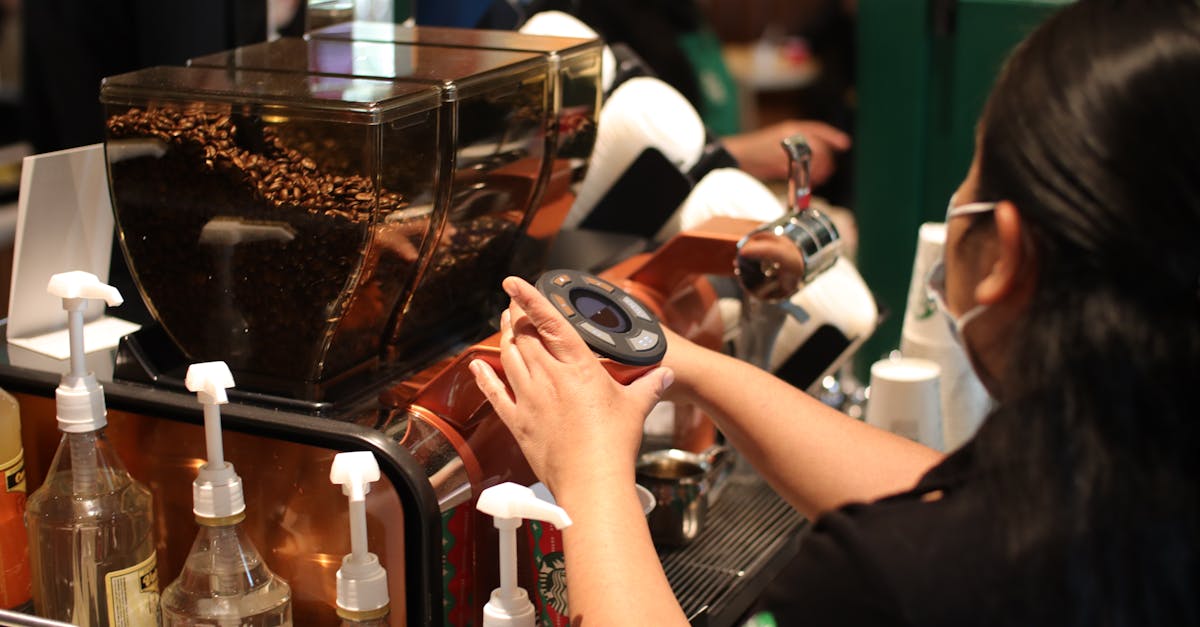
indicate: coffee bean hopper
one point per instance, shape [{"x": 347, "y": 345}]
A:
[
  {"x": 336, "y": 231},
  {"x": 372, "y": 194}
]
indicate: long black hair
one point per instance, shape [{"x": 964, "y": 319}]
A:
[{"x": 1093, "y": 132}]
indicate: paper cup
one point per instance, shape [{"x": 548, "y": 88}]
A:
[
  {"x": 964, "y": 400},
  {"x": 922, "y": 321},
  {"x": 905, "y": 400},
  {"x": 925, "y": 335}
]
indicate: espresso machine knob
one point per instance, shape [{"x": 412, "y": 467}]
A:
[{"x": 612, "y": 322}]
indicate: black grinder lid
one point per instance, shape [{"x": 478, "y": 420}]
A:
[{"x": 612, "y": 322}]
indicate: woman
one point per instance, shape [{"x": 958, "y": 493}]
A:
[{"x": 1073, "y": 279}]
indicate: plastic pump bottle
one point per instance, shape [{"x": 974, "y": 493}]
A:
[
  {"x": 362, "y": 592},
  {"x": 224, "y": 581},
  {"x": 91, "y": 532},
  {"x": 509, "y": 504}
]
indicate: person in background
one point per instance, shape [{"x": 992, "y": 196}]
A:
[
  {"x": 677, "y": 44},
  {"x": 758, "y": 154},
  {"x": 1071, "y": 276}
]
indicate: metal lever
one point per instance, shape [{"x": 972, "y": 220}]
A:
[{"x": 799, "y": 180}]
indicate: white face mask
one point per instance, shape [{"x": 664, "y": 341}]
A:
[{"x": 936, "y": 281}]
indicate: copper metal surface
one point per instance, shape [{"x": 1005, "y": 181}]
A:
[{"x": 298, "y": 520}]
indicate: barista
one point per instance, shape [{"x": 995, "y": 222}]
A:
[{"x": 1073, "y": 279}]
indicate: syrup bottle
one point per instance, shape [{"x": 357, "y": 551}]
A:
[
  {"x": 91, "y": 531},
  {"x": 224, "y": 579},
  {"x": 15, "y": 591}
]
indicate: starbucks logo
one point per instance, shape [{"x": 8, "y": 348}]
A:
[
  {"x": 552, "y": 582},
  {"x": 925, "y": 306}
]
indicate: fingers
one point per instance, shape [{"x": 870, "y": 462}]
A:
[
  {"x": 650, "y": 387},
  {"x": 493, "y": 388},
  {"x": 836, "y": 139},
  {"x": 511, "y": 358},
  {"x": 557, "y": 336}
]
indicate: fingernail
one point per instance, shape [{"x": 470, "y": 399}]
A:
[
  {"x": 504, "y": 318},
  {"x": 668, "y": 379},
  {"x": 473, "y": 366},
  {"x": 510, "y": 286}
]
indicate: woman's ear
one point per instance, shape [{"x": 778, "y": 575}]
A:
[{"x": 1012, "y": 271}]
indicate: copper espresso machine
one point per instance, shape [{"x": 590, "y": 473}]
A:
[{"x": 336, "y": 231}]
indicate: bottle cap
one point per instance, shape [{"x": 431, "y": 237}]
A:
[
  {"x": 79, "y": 399},
  {"x": 217, "y": 492},
  {"x": 361, "y": 585}
]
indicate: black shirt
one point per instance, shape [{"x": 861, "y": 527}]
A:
[{"x": 930, "y": 556}]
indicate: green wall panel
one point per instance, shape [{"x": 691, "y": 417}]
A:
[{"x": 920, "y": 90}]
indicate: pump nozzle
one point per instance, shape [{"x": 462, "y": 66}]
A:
[
  {"x": 217, "y": 490},
  {"x": 509, "y": 503},
  {"x": 211, "y": 378},
  {"x": 516, "y": 502},
  {"x": 83, "y": 285},
  {"x": 79, "y": 397},
  {"x": 361, "y": 581}
]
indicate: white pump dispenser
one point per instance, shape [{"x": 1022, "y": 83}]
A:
[
  {"x": 224, "y": 580},
  {"x": 362, "y": 592},
  {"x": 217, "y": 490},
  {"x": 79, "y": 398},
  {"x": 90, "y": 524},
  {"x": 509, "y": 504}
]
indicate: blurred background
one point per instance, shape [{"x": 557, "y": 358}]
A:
[{"x": 895, "y": 86}]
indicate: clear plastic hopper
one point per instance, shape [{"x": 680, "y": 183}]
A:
[
  {"x": 306, "y": 222},
  {"x": 521, "y": 110}
]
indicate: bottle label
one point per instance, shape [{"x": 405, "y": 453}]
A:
[
  {"x": 14, "y": 549},
  {"x": 133, "y": 595},
  {"x": 14, "y": 473}
]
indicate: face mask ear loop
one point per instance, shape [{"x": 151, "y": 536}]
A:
[
  {"x": 969, "y": 208},
  {"x": 936, "y": 281}
]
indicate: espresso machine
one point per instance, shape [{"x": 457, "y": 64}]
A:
[{"x": 332, "y": 216}]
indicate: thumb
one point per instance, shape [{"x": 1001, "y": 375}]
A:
[{"x": 650, "y": 387}]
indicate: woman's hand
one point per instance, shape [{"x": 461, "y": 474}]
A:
[
  {"x": 759, "y": 154},
  {"x": 572, "y": 420}
]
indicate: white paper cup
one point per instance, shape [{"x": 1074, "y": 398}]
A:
[
  {"x": 922, "y": 320},
  {"x": 965, "y": 402},
  {"x": 905, "y": 400},
  {"x": 925, "y": 335}
]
